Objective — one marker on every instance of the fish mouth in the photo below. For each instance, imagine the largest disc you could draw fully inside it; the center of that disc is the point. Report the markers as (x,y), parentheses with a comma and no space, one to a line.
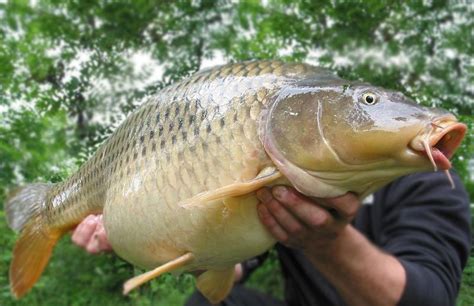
(444,144)
(439,142)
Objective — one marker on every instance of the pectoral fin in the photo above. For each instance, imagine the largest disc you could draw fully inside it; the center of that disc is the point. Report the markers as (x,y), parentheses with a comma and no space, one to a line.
(265,177)
(147,276)
(215,285)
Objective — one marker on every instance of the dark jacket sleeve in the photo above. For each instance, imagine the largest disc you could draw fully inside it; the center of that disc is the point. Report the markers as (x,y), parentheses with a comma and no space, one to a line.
(426,225)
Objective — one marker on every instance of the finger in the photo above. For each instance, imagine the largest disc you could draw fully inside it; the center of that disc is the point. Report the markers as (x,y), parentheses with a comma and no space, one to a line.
(346,205)
(93,245)
(101,235)
(79,229)
(308,211)
(270,223)
(84,231)
(286,220)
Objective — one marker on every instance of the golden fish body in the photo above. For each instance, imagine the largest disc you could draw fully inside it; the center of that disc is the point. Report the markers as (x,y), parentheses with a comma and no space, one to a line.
(176,181)
(195,136)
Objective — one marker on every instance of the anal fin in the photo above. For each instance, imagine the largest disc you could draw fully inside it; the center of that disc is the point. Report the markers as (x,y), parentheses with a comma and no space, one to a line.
(215,285)
(147,276)
(265,177)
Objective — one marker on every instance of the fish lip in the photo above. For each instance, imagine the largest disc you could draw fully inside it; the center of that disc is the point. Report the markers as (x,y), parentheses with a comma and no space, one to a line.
(446,137)
(449,139)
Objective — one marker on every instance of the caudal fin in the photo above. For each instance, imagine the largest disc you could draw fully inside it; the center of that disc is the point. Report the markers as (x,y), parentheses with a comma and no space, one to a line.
(25,213)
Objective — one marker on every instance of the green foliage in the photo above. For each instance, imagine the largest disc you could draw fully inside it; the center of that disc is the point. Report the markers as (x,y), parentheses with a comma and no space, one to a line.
(67,78)
(466,297)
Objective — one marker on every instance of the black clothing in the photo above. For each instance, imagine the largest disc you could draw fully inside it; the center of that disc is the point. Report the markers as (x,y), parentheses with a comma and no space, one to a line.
(420,220)
(239,296)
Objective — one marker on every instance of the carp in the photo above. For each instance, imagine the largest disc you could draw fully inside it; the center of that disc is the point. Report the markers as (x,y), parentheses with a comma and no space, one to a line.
(176,181)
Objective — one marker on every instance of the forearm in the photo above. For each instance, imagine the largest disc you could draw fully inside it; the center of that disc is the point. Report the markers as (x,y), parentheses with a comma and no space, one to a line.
(362,273)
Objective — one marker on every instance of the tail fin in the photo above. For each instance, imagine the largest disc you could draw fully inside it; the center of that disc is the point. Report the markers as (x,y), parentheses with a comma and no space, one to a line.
(25,212)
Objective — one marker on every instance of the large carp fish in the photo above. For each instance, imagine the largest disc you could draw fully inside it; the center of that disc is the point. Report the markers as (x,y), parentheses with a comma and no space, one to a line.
(176,181)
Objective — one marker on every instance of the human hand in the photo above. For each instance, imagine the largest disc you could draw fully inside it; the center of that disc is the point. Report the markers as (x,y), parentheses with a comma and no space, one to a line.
(90,234)
(307,224)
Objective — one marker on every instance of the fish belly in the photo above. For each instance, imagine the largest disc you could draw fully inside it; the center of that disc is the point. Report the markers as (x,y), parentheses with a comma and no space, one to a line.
(148,233)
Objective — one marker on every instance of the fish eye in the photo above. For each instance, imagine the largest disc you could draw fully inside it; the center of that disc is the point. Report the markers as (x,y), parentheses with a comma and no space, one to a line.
(369,98)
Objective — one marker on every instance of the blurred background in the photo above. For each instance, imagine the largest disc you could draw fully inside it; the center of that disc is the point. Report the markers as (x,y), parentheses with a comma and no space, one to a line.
(70,71)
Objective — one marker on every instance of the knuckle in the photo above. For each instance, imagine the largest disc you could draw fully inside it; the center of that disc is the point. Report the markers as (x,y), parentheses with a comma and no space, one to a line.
(293,198)
(340,200)
(355,203)
(275,206)
(351,210)
(318,220)
(352,197)
(264,195)
(269,221)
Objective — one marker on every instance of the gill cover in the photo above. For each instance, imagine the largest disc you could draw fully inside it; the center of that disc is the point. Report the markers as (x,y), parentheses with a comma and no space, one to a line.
(292,136)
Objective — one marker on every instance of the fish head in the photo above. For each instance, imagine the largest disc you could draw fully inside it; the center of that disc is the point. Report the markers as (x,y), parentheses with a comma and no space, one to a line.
(369,125)
(354,137)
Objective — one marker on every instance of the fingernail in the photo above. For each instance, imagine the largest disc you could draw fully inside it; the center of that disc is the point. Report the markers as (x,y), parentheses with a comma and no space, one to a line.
(279,192)
(263,195)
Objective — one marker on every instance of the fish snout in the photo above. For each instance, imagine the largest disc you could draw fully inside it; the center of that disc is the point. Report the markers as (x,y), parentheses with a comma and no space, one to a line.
(440,140)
